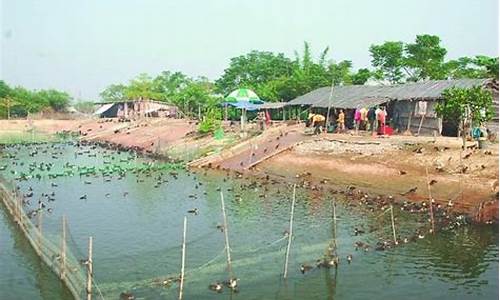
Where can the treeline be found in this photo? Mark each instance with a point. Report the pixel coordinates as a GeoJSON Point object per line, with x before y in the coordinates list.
{"type": "Point", "coordinates": [19, 101]}
{"type": "Point", "coordinates": [275, 77]}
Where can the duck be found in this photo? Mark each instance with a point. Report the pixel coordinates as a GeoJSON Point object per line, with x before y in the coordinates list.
{"type": "Point", "coordinates": [305, 268]}
{"type": "Point", "coordinates": [232, 283]}
{"type": "Point", "coordinates": [127, 296]}
{"type": "Point", "coordinates": [349, 258]}
{"type": "Point", "coordinates": [358, 231]}
{"type": "Point", "coordinates": [193, 211]}
{"type": "Point", "coordinates": [216, 287]}
{"type": "Point", "coordinates": [84, 197]}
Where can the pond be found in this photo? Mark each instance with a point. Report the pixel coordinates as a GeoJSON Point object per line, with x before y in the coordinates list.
{"type": "Point", "coordinates": [133, 207]}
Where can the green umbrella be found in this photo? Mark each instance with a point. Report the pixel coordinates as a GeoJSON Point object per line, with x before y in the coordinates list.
{"type": "Point", "coordinates": [243, 95]}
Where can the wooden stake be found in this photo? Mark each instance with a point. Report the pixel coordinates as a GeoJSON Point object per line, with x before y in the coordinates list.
{"type": "Point", "coordinates": [334, 225]}
{"type": "Point", "coordinates": [393, 226]}
{"type": "Point", "coordinates": [89, 271]}
{"type": "Point", "coordinates": [290, 232]}
{"type": "Point", "coordinates": [420, 125]}
{"type": "Point", "coordinates": [431, 209]}
{"type": "Point", "coordinates": [226, 236]}
{"type": "Point", "coordinates": [40, 232]}
{"type": "Point", "coordinates": [183, 261]}
{"type": "Point", "coordinates": [63, 249]}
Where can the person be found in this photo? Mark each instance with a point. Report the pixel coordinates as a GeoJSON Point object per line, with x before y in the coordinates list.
{"type": "Point", "coordinates": [371, 118]}
{"type": "Point", "coordinates": [268, 118]}
{"type": "Point", "coordinates": [341, 121]}
{"type": "Point", "coordinates": [364, 117]}
{"type": "Point", "coordinates": [357, 119]}
{"type": "Point", "coordinates": [318, 121]}
{"type": "Point", "coordinates": [381, 121]}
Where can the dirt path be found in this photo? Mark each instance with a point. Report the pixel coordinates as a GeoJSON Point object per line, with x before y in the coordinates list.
{"type": "Point", "coordinates": [396, 165]}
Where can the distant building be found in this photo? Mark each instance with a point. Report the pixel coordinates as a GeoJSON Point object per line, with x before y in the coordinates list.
{"type": "Point", "coordinates": [410, 105]}
{"type": "Point", "coordinates": [136, 108]}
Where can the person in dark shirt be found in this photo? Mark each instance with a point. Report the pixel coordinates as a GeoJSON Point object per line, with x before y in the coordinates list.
{"type": "Point", "coordinates": [371, 118]}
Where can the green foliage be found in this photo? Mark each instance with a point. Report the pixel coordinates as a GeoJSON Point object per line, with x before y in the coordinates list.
{"type": "Point", "coordinates": [426, 58]}
{"type": "Point", "coordinates": [211, 121]}
{"type": "Point", "coordinates": [388, 59]}
{"type": "Point", "coordinates": [473, 67]}
{"type": "Point", "coordinates": [475, 104]}
{"type": "Point", "coordinates": [361, 77]}
{"type": "Point", "coordinates": [113, 93]}
{"type": "Point", "coordinates": [142, 87]}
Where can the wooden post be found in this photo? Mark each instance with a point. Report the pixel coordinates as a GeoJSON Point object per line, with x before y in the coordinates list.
{"type": "Point", "coordinates": [420, 125]}
{"type": "Point", "coordinates": [290, 232]}
{"type": "Point", "coordinates": [63, 249]}
{"type": "Point", "coordinates": [334, 225]}
{"type": "Point", "coordinates": [89, 271]}
{"type": "Point", "coordinates": [226, 236]}
{"type": "Point", "coordinates": [393, 226]}
{"type": "Point", "coordinates": [431, 209]}
{"type": "Point", "coordinates": [40, 231]}
{"type": "Point", "coordinates": [183, 261]}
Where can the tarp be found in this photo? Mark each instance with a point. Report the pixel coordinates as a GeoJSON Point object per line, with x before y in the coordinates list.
{"type": "Point", "coordinates": [243, 105]}
{"type": "Point", "coordinates": [103, 108]}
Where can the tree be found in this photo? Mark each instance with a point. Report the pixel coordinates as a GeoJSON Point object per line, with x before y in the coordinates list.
{"type": "Point", "coordinates": [197, 94]}
{"type": "Point", "coordinates": [361, 76]}
{"type": "Point", "coordinates": [388, 60]}
{"type": "Point", "coordinates": [252, 70]}
{"type": "Point", "coordinates": [167, 84]}
{"type": "Point", "coordinates": [7, 102]}
{"type": "Point", "coordinates": [86, 107]}
{"type": "Point", "coordinates": [56, 99]}
{"type": "Point", "coordinates": [425, 58]}
{"type": "Point", "coordinates": [113, 93]}
{"type": "Point", "coordinates": [474, 105]}
{"type": "Point", "coordinates": [142, 87]}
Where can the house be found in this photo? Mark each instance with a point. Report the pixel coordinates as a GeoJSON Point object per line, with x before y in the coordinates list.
{"type": "Point", "coordinates": [135, 108]}
{"type": "Point", "coordinates": [409, 106]}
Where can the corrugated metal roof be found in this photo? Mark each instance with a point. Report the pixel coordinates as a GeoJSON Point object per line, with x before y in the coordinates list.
{"type": "Point", "coordinates": [351, 96]}
{"type": "Point", "coordinates": [103, 108]}
{"type": "Point", "coordinates": [272, 105]}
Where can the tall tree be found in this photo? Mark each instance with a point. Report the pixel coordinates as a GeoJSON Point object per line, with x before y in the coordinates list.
{"type": "Point", "coordinates": [167, 84]}
{"type": "Point", "coordinates": [388, 60]}
{"type": "Point", "coordinates": [252, 69]}
{"type": "Point", "coordinates": [56, 99]}
{"type": "Point", "coordinates": [425, 58]}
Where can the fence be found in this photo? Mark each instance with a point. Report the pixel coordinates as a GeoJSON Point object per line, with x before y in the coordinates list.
{"type": "Point", "coordinates": [55, 255]}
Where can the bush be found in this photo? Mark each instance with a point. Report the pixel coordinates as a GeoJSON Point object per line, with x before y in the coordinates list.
{"type": "Point", "coordinates": [210, 122]}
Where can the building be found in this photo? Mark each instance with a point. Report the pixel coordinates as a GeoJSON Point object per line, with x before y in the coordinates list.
{"type": "Point", "coordinates": [135, 108]}
{"type": "Point", "coordinates": [410, 106]}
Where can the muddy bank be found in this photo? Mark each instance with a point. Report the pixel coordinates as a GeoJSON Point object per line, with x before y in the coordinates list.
{"type": "Point", "coordinates": [466, 181]}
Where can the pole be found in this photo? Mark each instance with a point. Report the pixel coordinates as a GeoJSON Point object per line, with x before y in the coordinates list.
{"type": "Point", "coordinates": [420, 125]}
{"type": "Point", "coordinates": [40, 232]}
{"type": "Point", "coordinates": [63, 248]}
{"type": "Point", "coordinates": [431, 209]}
{"type": "Point", "coordinates": [393, 227]}
{"type": "Point", "coordinates": [334, 224]}
{"type": "Point", "coordinates": [329, 104]}
{"type": "Point", "coordinates": [226, 236]}
{"type": "Point", "coordinates": [89, 271]}
{"type": "Point", "coordinates": [290, 232]}
{"type": "Point", "coordinates": [181, 286]}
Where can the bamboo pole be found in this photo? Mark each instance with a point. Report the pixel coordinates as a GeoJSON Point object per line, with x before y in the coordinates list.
{"type": "Point", "coordinates": [89, 271]}
{"type": "Point", "coordinates": [40, 231]}
{"type": "Point", "coordinates": [431, 209]}
{"type": "Point", "coordinates": [63, 249]}
{"type": "Point", "coordinates": [334, 211]}
{"type": "Point", "coordinates": [290, 233]}
{"type": "Point", "coordinates": [393, 226]}
{"type": "Point", "coordinates": [226, 236]}
{"type": "Point", "coordinates": [183, 261]}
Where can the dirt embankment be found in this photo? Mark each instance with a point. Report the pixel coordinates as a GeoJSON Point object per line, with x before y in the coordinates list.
{"type": "Point", "coordinates": [398, 166]}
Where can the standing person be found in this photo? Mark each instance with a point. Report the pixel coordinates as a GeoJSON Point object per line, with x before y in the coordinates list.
{"type": "Point", "coordinates": [341, 121]}
{"type": "Point", "coordinates": [364, 117]}
{"type": "Point", "coordinates": [268, 118]}
{"type": "Point", "coordinates": [318, 121]}
{"type": "Point", "coordinates": [357, 119]}
{"type": "Point", "coordinates": [381, 121]}
{"type": "Point", "coordinates": [371, 115]}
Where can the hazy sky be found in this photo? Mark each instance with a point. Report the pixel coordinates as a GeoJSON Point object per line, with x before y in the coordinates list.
{"type": "Point", "coordinates": [81, 46]}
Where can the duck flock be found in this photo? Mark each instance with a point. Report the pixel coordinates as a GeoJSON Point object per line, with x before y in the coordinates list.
{"type": "Point", "coordinates": [105, 163]}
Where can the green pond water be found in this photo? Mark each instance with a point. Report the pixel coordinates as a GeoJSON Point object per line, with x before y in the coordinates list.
{"type": "Point", "coordinates": [134, 209]}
